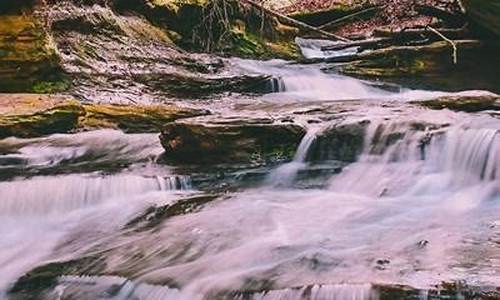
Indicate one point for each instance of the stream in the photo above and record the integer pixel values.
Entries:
(417, 205)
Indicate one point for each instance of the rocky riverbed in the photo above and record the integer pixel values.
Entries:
(142, 171)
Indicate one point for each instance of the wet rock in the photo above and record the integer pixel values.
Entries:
(238, 139)
(193, 87)
(35, 283)
(463, 103)
(396, 61)
(32, 115)
(342, 142)
(154, 216)
(118, 55)
(134, 118)
(35, 115)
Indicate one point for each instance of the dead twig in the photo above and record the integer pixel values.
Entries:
(453, 44)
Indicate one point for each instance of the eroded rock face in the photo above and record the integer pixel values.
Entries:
(223, 140)
(32, 115)
(36, 115)
(28, 61)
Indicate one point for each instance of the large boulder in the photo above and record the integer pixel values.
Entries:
(224, 140)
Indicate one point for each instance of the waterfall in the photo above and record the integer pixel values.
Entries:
(286, 174)
(132, 290)
(471, 154)
(328, 292)
(398, 157)
(59, 194)
(296, 82)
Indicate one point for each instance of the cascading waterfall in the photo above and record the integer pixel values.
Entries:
(398, 158)
(284, 175)
(308, 83)
(130, 289)
(59, 194)
(415, 203)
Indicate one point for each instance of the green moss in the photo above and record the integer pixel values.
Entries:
(197, 27)
(28, 62)
(51, 87)
(248, 44)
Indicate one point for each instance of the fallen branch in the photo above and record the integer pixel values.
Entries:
(362, 43)
(348, 17)
(293, 22)
(412, 33)
(402, 37)
(453, 44)
(437, 47)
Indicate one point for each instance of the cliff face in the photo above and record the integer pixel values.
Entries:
(28, 58)
(134, 50)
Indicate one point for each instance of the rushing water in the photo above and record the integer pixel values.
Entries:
(416, 204)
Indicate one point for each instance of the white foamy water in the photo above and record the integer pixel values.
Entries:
(299, 82)
(418, 206)
(285, 174)
(72, 286)
(37, 214)
(95, 146)
(415, 209)
(295, 82)
(59, 194)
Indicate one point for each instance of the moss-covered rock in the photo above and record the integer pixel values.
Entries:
(222, 140)
(36, 115)
(133, 118)
(463, 103)
(28, 60)
(230, 27)
(428, 60)
(32, 115)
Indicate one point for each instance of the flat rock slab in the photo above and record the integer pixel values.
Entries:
(32, 115)
(230, 139)
(463, 103)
